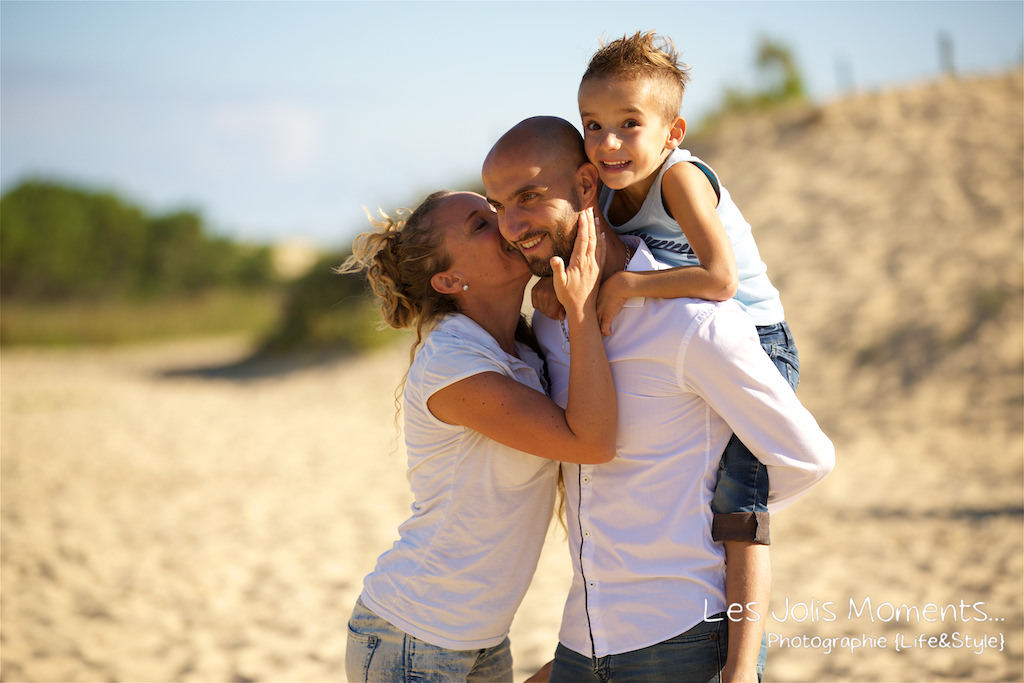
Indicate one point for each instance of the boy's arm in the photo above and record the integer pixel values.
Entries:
(691, 200)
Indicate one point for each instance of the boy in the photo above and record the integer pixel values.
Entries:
(629, 100)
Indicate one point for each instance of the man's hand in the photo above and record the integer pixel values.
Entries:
(544, 300)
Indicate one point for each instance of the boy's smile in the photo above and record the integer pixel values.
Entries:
(623, 133)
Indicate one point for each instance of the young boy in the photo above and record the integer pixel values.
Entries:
(629, 100)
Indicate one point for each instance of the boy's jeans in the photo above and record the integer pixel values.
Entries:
(378, 652)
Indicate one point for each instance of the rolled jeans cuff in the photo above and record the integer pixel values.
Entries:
(749, 527)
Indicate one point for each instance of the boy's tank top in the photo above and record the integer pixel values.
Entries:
(755, 292)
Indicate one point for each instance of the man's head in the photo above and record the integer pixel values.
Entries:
(538, 179)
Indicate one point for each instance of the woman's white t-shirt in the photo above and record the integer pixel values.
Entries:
(481, 510)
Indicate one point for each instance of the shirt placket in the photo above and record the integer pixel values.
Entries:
(588, 564)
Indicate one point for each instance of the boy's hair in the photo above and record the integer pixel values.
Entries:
(644, 56)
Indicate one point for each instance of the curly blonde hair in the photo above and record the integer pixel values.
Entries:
(399, 258)
(644, 56)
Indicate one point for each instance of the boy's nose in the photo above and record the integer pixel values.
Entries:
(610, 141)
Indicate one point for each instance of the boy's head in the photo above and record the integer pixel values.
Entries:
(629, 101)
(644, 57)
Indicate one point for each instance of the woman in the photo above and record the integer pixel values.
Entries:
(481, 434)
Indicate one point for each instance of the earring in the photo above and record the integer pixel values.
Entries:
(465, 288)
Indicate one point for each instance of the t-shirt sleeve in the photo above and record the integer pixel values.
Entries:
(449, 359)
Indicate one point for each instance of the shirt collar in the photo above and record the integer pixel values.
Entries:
(642, 260)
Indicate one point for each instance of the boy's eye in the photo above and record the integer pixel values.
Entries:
(593, 125)
(630, 124)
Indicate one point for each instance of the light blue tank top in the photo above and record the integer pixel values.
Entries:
(755, 292)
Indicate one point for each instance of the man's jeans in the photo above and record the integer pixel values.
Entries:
(695, 656)
(379, 652)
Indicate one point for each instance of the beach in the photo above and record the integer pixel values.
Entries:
(171, 514)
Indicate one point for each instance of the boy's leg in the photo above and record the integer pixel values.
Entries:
(741, 522)
(777, 341)
(740, 503)
(748, 578)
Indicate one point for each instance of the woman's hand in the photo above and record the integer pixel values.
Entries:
(576, 285)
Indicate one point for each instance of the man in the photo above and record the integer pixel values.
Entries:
(648, 592)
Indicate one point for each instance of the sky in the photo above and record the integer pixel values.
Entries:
(283, 120)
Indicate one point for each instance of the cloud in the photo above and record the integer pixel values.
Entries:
(285, 135)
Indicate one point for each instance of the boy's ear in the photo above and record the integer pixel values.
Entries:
(446, 282)
(676, 133)
(588, 181)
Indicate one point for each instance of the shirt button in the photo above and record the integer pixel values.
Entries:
(586, 480)
(586, 534)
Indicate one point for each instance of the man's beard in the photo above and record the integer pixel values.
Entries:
(562, 236)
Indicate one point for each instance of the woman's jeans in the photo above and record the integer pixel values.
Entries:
(378, 652)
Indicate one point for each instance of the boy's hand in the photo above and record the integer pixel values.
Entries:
(610, 298)
(545, 301)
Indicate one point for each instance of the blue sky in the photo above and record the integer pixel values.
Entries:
(282, 120)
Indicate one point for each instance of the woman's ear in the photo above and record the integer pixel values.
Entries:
(446, 282)
(676, 133)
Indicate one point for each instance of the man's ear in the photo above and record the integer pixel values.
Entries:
(446, 282)
(676, 133)
(588, 182)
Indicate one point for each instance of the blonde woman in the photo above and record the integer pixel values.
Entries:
(482, 437)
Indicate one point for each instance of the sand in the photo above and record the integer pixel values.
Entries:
(163, 520)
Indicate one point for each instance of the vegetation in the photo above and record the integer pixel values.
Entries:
(84, 267)
(59, 243)
(781, 85)
(78, 266)
(328, 313)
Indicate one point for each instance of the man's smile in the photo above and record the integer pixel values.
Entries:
(527, 244)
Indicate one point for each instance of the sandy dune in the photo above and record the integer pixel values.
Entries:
(165, 523)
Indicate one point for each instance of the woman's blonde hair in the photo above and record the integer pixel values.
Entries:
(399, 257)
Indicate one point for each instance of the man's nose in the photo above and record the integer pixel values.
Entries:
(512, 224)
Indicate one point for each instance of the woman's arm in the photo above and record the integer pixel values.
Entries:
(518, 416)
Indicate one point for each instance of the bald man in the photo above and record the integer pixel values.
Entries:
(648, 597)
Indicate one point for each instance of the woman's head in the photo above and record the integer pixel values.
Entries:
(423, 264)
